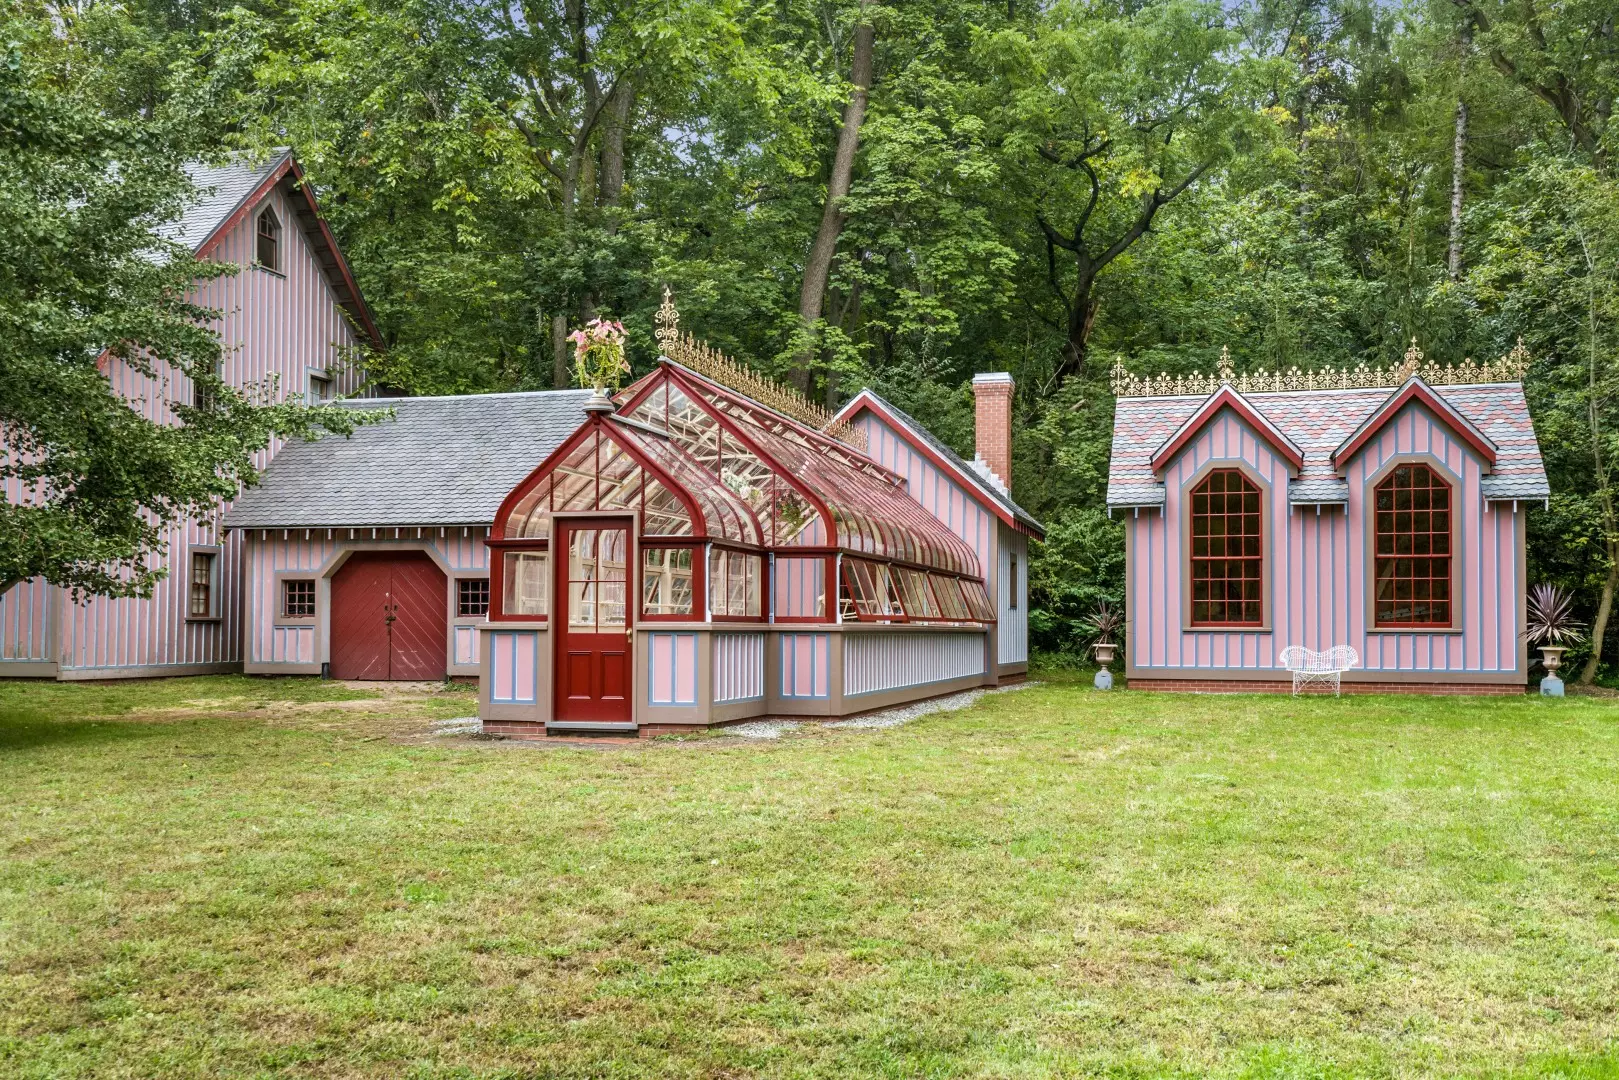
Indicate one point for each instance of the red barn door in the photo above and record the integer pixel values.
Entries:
(593, 677)
(388, 617)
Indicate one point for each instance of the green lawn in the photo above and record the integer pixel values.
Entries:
(234, 877)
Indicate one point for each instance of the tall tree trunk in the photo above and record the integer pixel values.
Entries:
(818, 267)
(559, 352)
(615, 127)
(1599, 625)
(1458, 163)
(1610, 520)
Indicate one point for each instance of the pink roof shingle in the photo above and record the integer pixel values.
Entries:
(1318, 422)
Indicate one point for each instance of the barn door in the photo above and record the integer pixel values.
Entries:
(389, 617)
(593, 676)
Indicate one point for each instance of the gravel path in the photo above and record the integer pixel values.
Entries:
(877, 721)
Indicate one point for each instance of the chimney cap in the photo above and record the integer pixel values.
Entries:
(992, 377)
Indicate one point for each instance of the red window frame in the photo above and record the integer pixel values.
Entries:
(830, 584)
(764, 583)
(1413, 514)
(497, 578)
(1227, 586)
(699, 579)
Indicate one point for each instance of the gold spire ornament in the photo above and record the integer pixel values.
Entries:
(1509, 368)
(714, 365)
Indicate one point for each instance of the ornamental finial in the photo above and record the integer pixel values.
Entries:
(667, 323)
(1226, 373)
(1411, 364)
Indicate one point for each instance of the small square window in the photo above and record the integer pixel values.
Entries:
(320, 388)
(472, 597)
(298, 598)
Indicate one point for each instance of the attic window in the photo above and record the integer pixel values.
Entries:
(269, 233)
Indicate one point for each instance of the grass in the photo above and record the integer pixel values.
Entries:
(234, 877)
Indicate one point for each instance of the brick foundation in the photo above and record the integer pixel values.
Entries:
(1269, 686)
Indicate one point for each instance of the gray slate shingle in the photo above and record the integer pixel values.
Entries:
(440, 461)
(221, 189)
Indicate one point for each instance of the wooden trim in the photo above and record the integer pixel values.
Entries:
(1414, 390)
(863, 400)
(1368, 512)
(1267, 533)
(1227, 398)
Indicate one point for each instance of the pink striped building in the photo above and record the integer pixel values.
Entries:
(291, 315)
(677, 556)
(1388, 518)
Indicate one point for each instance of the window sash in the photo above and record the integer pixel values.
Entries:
(1227, 544)
(1413, 557)
(201, 604)
(297, 598)
(471, 597)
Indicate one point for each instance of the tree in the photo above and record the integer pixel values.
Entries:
(92, 484)
(1106, 114)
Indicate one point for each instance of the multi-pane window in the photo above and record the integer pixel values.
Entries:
(297, 598)
(202, 584)
(734, 583)
(525, 577)
(471, 597)
(1413, 548)
(1011, 585)
(269, 237)
(1227, 564)
(598, 575)
(666, 581)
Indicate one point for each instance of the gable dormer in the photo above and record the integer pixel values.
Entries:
(1227, 397)
(1415, 391)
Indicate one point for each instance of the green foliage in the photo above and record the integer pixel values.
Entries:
(85, 285)
(1039, 189)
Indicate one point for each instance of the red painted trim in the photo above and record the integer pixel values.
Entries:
(1226, 398)
(732, 428)
(864, 401)
(1414, 390)
(289, 164)
(527, 484)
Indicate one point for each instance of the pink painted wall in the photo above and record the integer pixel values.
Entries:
(943, 497)
(806, 665)
(270, 325)
(671, 668)
(270, 552)
(798, 589)
(1316, 567)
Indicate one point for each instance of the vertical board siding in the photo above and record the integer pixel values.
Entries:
(1317, 565)
(941, 496)
(739, 667)
(806, 665)
(671, 669)
(25, 623)
(799, 588)
(511, 666)
(873, 662)
(1012, 622)
(270, 554)
(272, 328)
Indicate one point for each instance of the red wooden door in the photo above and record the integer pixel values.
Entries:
(593, 675)
(388, 617)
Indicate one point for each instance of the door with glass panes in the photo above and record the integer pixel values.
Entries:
(592, 618)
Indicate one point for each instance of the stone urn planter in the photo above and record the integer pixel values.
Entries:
(1552, 657)
(1104, 657)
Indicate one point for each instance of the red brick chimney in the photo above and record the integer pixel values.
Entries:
(993, 430)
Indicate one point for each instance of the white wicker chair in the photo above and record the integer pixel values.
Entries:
(1309, 666)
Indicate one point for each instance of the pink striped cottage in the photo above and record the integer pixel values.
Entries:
(292, 313)
(1383, 510)
(703, 547)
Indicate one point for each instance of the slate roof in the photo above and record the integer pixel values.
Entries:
(1318, 422)
(440, 461)
(969, 470)
(221, 190)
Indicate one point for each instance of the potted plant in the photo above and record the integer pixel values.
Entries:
(1550, 624)
(598, 357)
(1103, 624)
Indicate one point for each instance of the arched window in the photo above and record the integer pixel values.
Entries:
(1227, 561)
(1413, 561)
(269, 254)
